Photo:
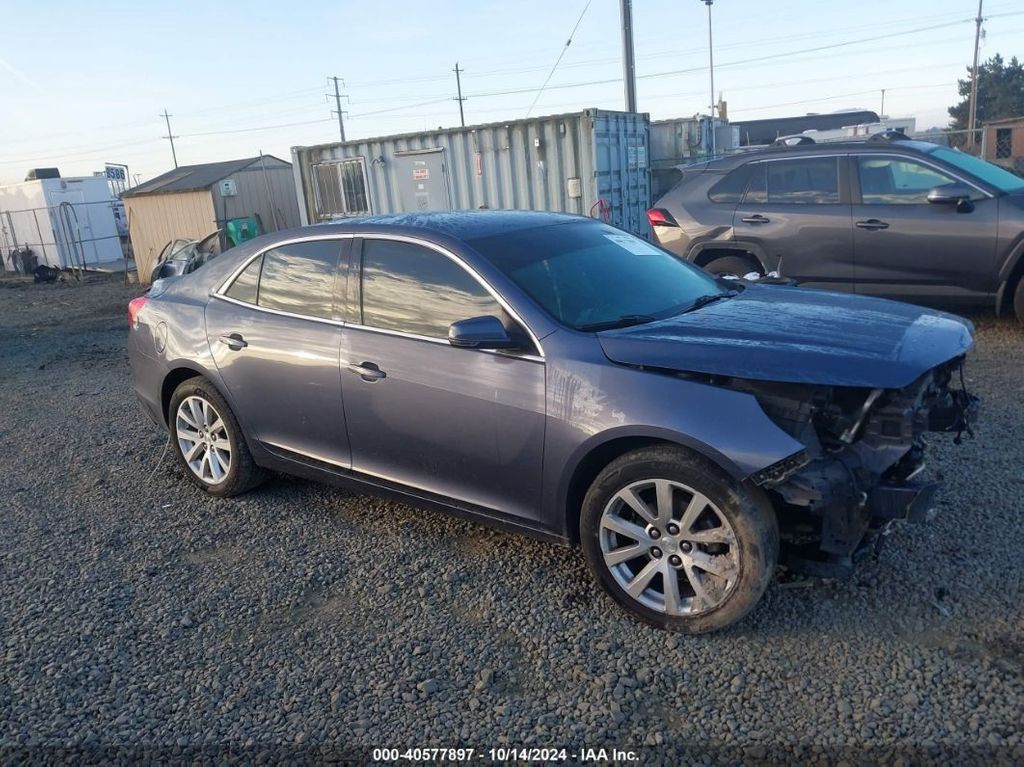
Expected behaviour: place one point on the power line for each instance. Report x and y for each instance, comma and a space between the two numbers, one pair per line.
560, 55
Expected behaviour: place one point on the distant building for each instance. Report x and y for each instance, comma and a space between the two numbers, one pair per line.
905, 125
1002, 143
759, 132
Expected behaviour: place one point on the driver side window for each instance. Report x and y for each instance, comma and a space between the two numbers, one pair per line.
893, 181
412, 289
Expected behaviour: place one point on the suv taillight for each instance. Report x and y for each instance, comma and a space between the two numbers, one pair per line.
660, 217
134, 307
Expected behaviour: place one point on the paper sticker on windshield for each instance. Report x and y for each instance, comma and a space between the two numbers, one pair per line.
634, 245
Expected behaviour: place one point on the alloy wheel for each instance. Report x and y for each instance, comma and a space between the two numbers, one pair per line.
203, 440
669, 547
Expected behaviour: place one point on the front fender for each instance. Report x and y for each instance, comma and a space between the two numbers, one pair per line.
591, 404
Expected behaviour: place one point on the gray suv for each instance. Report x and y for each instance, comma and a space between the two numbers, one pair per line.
895, 218
556, 376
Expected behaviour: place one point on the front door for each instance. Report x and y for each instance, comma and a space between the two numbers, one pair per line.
275, 336
908, 248
796, 215
422, 181
462, 423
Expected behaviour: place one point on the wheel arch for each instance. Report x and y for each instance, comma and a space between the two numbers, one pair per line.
178, 374
704, 254
591, 458
1011, 273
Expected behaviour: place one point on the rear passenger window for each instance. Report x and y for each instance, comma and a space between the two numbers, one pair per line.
246, 284
800, 181
416, 290
299, 278
731, 188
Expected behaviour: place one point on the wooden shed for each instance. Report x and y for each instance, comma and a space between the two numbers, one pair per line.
192, 201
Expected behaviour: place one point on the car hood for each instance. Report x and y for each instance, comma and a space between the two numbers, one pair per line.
797, 335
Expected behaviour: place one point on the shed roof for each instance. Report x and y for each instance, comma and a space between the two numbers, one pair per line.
191, 178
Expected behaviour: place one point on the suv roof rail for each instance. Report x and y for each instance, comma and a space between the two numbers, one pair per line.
888, 135
797, 139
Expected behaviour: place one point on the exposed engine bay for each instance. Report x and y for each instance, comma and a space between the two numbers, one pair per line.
864, 449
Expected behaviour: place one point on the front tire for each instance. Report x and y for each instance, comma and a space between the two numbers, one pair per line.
208, 440
676, 542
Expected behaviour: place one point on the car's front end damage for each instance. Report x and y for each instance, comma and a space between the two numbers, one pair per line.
865, 452
859, 382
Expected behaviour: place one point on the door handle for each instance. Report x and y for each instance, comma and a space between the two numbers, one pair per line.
368, 371
757, 218
234, 341
872, 224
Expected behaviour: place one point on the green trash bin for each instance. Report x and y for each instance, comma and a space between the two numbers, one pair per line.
239, 230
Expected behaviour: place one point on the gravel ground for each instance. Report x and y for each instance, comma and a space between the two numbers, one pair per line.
136, 611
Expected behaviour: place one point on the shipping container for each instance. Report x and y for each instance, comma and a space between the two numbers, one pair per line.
593, 163
684, 140
64, 222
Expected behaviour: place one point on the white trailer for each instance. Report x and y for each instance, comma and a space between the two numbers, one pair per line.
65, 222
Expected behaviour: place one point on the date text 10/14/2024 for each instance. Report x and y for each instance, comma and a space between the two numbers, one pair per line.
505, 754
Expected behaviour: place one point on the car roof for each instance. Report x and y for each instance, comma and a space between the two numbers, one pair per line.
907, 146
457, 224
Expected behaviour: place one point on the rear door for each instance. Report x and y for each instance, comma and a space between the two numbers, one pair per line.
275, 334
908, 248
796, 216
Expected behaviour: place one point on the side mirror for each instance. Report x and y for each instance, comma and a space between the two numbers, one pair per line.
480, 333
952, 194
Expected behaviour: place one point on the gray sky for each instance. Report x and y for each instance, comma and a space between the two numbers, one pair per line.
84, 83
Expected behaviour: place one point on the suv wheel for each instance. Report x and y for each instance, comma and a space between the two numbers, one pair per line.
676, 542
208, 441
734, 266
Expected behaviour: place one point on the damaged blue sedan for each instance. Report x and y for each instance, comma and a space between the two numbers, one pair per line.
553, 375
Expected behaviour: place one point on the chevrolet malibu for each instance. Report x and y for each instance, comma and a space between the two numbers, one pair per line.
552, 375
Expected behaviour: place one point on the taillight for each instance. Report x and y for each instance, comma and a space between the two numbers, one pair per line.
660, 217
134, 307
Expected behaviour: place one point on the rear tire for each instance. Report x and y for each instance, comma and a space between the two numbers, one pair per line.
1018, 300
663, 515
733, 266
208, 441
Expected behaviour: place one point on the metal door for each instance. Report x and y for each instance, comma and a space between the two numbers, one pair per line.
422, 181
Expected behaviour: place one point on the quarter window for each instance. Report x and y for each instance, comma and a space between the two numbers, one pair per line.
412, 289
892, 181
246, 285
299, 278
339, 188
731, 188
800, 181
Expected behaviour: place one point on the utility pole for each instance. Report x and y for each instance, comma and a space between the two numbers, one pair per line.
459, 98
628, 64
973, 115
170, 137
337, 101
881, 109
711, 67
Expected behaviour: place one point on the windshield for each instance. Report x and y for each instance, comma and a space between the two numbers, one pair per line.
592, 276
1001, 179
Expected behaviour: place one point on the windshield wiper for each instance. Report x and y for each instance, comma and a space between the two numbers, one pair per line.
621, 322
710, 298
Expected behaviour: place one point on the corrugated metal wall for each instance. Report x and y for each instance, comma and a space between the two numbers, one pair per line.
156, 219
562, 163
272, 197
